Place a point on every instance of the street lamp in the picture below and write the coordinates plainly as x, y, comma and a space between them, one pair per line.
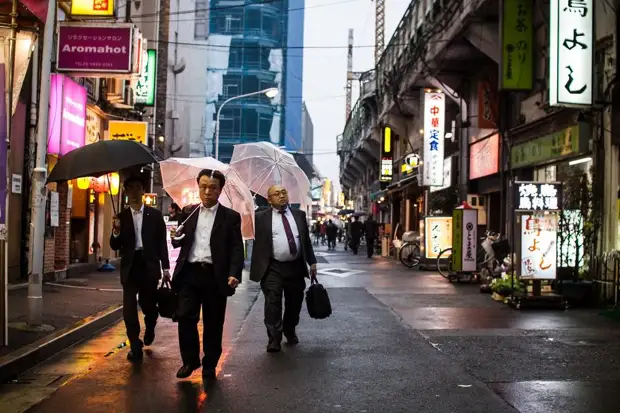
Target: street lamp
271, 93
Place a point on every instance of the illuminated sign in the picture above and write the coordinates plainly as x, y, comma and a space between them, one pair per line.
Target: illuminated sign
437, 235
517, 59
410, 163
571, 52
539, 246
144, 91
484, 157
571, 251
149, 199
447, 176
128, 131
534, 196
386, 156
92, 8
434, 125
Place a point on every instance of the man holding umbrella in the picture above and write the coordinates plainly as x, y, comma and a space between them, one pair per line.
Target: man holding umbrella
139, 233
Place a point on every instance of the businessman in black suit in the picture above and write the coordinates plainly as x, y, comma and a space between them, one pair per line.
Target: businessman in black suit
208, 270
280, 259
139, 233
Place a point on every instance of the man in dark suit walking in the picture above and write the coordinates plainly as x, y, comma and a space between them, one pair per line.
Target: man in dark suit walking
139, 233
280, 258
371, 230
208, 270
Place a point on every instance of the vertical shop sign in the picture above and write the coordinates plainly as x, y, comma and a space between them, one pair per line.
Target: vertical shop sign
484, 157
571, 52
534, 196
67, 115
464, 239
487, 106
447, 176
434, 140
387, 160
539, 246
144, 92
517, 63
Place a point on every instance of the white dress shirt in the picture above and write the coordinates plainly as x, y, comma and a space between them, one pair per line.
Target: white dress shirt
201, 250
281, 250
138, 218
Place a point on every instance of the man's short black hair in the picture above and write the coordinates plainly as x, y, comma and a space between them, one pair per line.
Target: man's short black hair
175, 206
133, 179
212, 174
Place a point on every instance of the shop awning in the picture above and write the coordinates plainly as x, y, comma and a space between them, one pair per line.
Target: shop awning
377, 195
403, 183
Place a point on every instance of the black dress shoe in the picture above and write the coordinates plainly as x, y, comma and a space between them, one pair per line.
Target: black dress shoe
134, 355
208, 373
274, 346
186, 371
291, 338
149, 336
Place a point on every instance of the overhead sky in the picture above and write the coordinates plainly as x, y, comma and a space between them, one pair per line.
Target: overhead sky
327, 24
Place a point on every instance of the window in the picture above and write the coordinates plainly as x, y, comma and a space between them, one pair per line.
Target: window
231, 90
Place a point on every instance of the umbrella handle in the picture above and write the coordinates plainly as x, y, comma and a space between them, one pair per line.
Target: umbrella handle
180, 227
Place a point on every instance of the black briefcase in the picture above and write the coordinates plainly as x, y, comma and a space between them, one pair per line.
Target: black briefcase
166, 300
317, 301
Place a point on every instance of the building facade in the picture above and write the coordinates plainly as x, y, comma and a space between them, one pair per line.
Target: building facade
307, 134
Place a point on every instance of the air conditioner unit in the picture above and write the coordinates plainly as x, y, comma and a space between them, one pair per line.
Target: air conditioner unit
479, 202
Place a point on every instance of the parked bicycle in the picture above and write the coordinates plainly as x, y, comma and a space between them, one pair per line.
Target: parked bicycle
410, 253
485, 257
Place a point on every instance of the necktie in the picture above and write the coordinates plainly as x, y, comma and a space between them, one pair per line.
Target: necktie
292, 246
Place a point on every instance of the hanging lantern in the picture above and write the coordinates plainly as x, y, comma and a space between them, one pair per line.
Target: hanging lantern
115, 183
100, 184
83, 183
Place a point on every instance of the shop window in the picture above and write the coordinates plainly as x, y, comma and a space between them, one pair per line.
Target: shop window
546, 174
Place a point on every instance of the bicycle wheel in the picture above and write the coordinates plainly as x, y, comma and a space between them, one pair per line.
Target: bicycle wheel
446, 256
409, 255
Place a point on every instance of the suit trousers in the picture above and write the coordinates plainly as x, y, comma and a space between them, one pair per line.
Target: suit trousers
200, 290
370, 246
139, 283
283, 279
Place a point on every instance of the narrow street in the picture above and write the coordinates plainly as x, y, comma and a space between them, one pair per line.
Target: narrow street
398, 341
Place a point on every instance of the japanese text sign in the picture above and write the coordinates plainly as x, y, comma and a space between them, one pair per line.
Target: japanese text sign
128, 131
464, 239
144, 91
487, 106
571, 52
437, 235
104, 49
67, 115
447, 176
484, 157
535, 196
92, 8
387, 159
517, 63
434, 139
539, 246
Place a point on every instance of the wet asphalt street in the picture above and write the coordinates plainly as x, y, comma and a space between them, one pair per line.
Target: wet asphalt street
398, 341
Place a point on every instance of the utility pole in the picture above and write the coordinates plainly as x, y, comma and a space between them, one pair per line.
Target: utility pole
39, 175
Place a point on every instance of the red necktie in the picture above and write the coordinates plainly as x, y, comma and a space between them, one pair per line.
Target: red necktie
292, 246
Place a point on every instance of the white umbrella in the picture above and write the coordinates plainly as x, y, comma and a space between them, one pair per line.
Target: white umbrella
179, 178
262, 165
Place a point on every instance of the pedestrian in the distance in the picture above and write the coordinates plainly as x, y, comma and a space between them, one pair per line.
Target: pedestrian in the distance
371, 230
280, 259
332, 232
207, 272
357, 229
139, 233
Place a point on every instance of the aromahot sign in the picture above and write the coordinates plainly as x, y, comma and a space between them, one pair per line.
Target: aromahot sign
96, 48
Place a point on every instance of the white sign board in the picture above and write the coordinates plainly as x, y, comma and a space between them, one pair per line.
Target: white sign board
470, 240
539, 246
447, 175
54, 209
533, 196
173, 253
571, 52
16, 184
434, 139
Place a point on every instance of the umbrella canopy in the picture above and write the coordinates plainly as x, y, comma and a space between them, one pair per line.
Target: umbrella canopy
101, 158
262, 165
179, 176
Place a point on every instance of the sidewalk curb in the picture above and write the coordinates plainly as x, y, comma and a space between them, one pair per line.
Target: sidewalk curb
27, 357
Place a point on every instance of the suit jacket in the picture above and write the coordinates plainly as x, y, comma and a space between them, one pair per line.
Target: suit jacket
227, 249
155, 247
371, 229
262, 252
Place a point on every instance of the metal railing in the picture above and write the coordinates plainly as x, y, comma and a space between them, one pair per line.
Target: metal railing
605, 272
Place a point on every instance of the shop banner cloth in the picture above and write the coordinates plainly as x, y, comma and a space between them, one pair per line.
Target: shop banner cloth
3, 147
179, 176
262, 165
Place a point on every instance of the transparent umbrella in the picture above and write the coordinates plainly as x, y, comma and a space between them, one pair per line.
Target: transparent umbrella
179, 176
262, 165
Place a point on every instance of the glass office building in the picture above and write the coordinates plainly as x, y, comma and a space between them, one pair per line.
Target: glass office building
252, 45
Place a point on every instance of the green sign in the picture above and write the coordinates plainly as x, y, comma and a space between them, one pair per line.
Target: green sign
457, 240
547, 148
144, 93
517, 63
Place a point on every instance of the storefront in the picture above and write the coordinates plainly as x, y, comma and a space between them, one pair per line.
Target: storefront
485, 184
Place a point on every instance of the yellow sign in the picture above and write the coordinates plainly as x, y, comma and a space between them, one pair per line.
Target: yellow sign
517, 63
150, 199
437, 235
128, 131
98, 8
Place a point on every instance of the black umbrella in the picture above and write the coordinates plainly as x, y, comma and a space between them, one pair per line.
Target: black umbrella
101, 158
346, 211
